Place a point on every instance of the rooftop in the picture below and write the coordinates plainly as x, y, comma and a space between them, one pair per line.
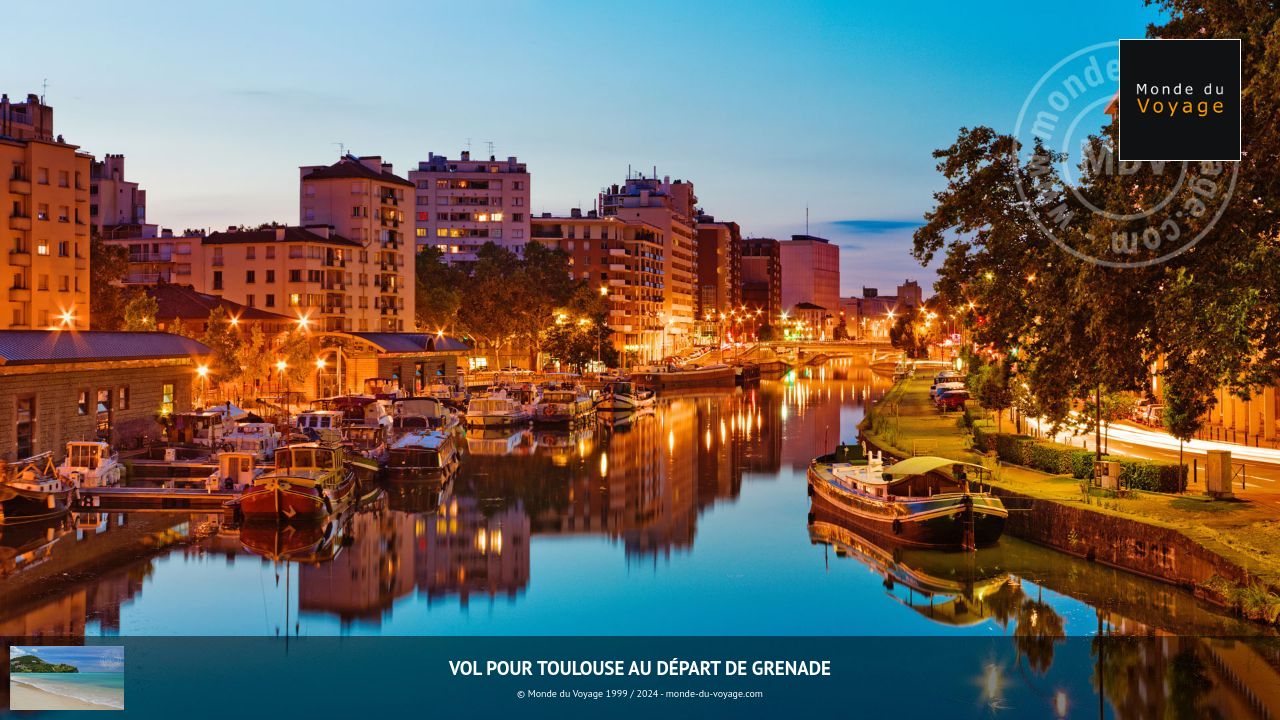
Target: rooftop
184, 303
310, 234
411, 342
29, 347
350, 166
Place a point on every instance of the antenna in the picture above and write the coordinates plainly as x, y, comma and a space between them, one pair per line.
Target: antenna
468, 144
342, 149
806, 219
44, 88
490, 144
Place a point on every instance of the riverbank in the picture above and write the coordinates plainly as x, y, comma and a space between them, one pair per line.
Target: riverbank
1227, 551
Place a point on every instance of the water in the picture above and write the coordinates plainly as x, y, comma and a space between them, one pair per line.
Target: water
692, 521
104, 688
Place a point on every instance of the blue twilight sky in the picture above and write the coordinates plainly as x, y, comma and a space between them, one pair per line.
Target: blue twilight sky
768, 107
87, 658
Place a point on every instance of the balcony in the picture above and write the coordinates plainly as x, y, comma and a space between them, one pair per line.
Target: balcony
147, 278
18, 186
19, 222
19, 294
19, 258
145, 257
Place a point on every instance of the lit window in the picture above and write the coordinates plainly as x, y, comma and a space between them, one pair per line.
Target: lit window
42, 247
496, 217
295, 299
442, 232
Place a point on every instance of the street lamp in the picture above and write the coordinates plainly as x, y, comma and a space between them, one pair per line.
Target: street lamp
280, 368
203, 372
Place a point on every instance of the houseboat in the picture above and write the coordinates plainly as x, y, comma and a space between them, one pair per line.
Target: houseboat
260, 439
562, 404
912, 503
672, 376
365, 410
90, 463
496, 408
320, 424
311, 481
31, 491
367, 441
621, 396
236, 472
423, 414
422, 454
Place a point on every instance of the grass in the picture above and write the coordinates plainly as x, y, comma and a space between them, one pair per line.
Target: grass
1244, 532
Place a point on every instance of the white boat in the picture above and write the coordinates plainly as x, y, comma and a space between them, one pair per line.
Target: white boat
315, 423
446, 392
236, 472
621, 397
423, 414
496, 408
259, 439
563, 404
421, 453
90, 463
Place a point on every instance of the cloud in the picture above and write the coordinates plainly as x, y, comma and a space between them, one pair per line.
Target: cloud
876, 227
15, 651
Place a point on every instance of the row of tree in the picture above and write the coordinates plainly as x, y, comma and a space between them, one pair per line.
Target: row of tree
1207, 318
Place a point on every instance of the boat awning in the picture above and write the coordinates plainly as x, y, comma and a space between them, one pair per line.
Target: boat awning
923, 465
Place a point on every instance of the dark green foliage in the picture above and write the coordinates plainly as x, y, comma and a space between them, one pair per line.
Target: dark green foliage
33, 664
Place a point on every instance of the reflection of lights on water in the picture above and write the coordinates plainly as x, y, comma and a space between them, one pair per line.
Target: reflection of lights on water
722, 430
992, 685
707, 438
1060, 703
604, 464
671, 441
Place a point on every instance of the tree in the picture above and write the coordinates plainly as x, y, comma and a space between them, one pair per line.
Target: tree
139, 313
989, 385
437, 295
225, 343
108, 265
1115, 406
768, 333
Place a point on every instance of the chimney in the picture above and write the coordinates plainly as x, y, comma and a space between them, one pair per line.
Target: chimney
466, 154
279, 234
575, 213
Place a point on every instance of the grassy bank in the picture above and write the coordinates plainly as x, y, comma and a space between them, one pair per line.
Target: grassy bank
1244, 534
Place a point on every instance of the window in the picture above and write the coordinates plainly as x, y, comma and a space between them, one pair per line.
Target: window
250, 253
517, 234
271, 276
122, 397
82, 402
64, 179
42, 176
271, 300
271, 255
26, 426
104, 413
64, 248
295, 275
42, 247
249, 276
166, 399
517, 217
249, 301
295, 299
421, 232
42, 282
64, 283
217, 279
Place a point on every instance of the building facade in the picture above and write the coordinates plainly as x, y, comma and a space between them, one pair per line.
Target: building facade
871, 316
762, 277
45, 200
623, 259
58, 386
671, 208
462, 204
114, 202
810, 273
365, 202
719, 267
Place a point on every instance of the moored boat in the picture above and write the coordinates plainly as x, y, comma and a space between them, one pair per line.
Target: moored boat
911, 503
310, 481
564, 404
424, 454
621, 396
670, 376
31, 491
90, 463
496, 408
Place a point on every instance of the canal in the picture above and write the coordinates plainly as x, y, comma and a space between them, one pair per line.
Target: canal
693, 520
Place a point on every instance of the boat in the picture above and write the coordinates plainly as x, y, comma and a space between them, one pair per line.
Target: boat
672, 376
308, 543
257, 438
358, 409
317, 423
423, 414
236, 472
496, 408
367, 441
424, 454
622, 396
310, 480
911, 503
747, 373
90, 463
566, 403
449, 394
31, 491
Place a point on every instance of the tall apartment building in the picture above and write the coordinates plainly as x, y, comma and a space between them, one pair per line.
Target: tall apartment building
762, 276
462, 204
625, 260
45, 198
670, 207
719, 267
117, 207
810, 273
365, 202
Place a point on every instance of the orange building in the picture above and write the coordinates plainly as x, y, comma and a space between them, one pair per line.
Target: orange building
45, 197
463, 204
625, 260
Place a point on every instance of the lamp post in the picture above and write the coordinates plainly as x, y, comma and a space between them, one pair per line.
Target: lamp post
203, 372
280, 368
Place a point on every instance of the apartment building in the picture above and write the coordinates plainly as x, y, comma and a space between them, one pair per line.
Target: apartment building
364, 202
719, 267
117, 207
462, 204
623, 259
810, 273
45, 200
669, 207
762, 277
161, 257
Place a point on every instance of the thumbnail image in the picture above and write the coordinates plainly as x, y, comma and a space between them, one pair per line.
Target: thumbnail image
66, 677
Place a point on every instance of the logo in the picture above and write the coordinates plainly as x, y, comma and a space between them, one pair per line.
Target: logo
1093, 205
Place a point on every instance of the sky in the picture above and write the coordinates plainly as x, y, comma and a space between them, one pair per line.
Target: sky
769, 108
90, 658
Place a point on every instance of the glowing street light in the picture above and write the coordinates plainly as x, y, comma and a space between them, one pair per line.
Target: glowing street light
604, 290
67, 317
320, 363
303, 322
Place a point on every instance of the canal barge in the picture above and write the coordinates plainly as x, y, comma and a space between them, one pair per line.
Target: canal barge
912, 503
310, 481
622, 397
563, 405
670, 376
31, 491
422, 455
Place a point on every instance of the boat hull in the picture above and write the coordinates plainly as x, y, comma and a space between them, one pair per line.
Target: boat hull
278, 498
711, 377
497, 420
18, 505
939, 522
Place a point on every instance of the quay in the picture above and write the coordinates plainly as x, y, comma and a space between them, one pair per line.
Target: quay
138, 498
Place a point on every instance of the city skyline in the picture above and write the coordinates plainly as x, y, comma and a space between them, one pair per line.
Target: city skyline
765, 143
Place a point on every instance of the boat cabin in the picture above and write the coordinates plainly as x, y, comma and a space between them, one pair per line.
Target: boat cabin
201, 427
236, 471
363, 438
90, 463
319, 420
309, 456
258, 438
421, 450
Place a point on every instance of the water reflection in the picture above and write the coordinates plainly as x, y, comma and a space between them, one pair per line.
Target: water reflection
638, 527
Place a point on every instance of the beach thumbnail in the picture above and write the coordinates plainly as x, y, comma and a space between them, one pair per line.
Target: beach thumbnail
66, 677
